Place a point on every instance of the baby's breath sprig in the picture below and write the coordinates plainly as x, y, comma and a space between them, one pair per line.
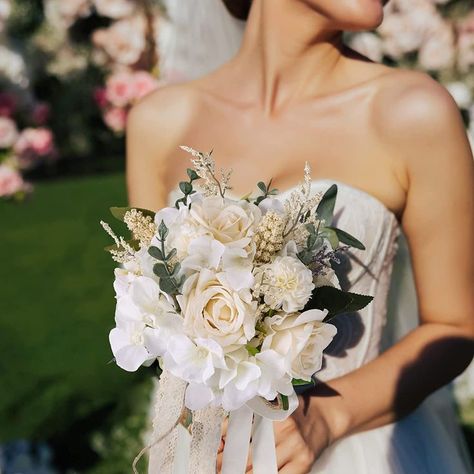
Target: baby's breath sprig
167, 272
122, 251
205, 167
140, 225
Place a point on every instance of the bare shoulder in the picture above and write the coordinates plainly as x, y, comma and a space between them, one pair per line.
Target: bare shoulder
411, 105
161, 117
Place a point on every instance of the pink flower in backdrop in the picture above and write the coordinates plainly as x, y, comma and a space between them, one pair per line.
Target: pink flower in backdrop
124, 41
8, 132
143, 84
114, 8
119, 89
32, 144
41, 113
11, 181
116, 118
8, 104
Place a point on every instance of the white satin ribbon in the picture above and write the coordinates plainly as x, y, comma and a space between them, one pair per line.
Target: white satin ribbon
261, 414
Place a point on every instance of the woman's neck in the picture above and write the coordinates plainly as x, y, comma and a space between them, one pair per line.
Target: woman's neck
288, 47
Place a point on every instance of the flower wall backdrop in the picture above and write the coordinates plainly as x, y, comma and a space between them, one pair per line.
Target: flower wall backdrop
69, 72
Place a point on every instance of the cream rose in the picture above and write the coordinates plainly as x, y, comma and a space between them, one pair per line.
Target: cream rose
229, 222
212, 309
301, 338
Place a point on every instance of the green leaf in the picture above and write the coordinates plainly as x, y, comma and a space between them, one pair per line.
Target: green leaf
252, 350
167, 285
311, 241
262, 186
159, 269
284, 401
192, 174
310, 228
119, 212
348, 239
337, 301
185, 187
176, 269
155, 252
305, 256
300, 382
331, 235
171, 254
325, 208
162, 230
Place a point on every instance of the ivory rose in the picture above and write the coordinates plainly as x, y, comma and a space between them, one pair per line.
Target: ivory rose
213, 309
229, 222
301, 338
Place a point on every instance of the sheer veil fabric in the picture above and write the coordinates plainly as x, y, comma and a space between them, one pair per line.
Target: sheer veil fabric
197, 37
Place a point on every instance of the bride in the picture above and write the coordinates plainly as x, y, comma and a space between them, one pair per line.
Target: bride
394, 142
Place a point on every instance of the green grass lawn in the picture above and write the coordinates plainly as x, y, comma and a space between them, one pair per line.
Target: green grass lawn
56, 309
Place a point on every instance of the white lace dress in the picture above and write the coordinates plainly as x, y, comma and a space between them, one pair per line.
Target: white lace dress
429, 440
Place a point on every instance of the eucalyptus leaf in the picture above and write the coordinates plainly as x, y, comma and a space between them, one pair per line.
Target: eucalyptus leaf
331, 235
176, 269
119, 212
167, 285
170, 254
185, 187
160, 270
155, 252
325, 209
162, 230
262, 186
347, 239
192, 174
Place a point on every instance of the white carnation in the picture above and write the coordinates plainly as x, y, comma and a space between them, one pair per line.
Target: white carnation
285, 283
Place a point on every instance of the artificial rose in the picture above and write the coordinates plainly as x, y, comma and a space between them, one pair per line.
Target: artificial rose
213, 309
301, 338
285, 283
232, 223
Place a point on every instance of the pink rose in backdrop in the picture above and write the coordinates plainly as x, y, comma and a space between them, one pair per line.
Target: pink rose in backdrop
32, 144
8, 132
143, 83
116, 119
100, 97
120, 89
11, 181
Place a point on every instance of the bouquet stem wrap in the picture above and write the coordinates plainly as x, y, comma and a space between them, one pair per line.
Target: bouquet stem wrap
250, 424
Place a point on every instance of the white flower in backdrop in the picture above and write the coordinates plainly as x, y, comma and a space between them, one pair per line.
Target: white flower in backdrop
461, 94
8, 132
124, 41
369, 45
285, 283
212, 308
12, 67
114, 8
301, 339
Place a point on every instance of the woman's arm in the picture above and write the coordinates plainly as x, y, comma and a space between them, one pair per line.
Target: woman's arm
422, 125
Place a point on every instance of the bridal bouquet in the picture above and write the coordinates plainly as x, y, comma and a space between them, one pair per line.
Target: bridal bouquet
233, 298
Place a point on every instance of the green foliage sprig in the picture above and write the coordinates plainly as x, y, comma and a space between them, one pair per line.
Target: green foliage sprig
187, 188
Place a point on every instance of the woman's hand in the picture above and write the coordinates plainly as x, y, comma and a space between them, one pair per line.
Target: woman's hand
299, 440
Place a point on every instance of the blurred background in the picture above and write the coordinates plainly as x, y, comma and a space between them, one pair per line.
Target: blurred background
70, 70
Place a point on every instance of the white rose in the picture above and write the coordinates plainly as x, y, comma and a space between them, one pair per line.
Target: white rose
8, 132
213, 309
233, 223
301, 339
286, 283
